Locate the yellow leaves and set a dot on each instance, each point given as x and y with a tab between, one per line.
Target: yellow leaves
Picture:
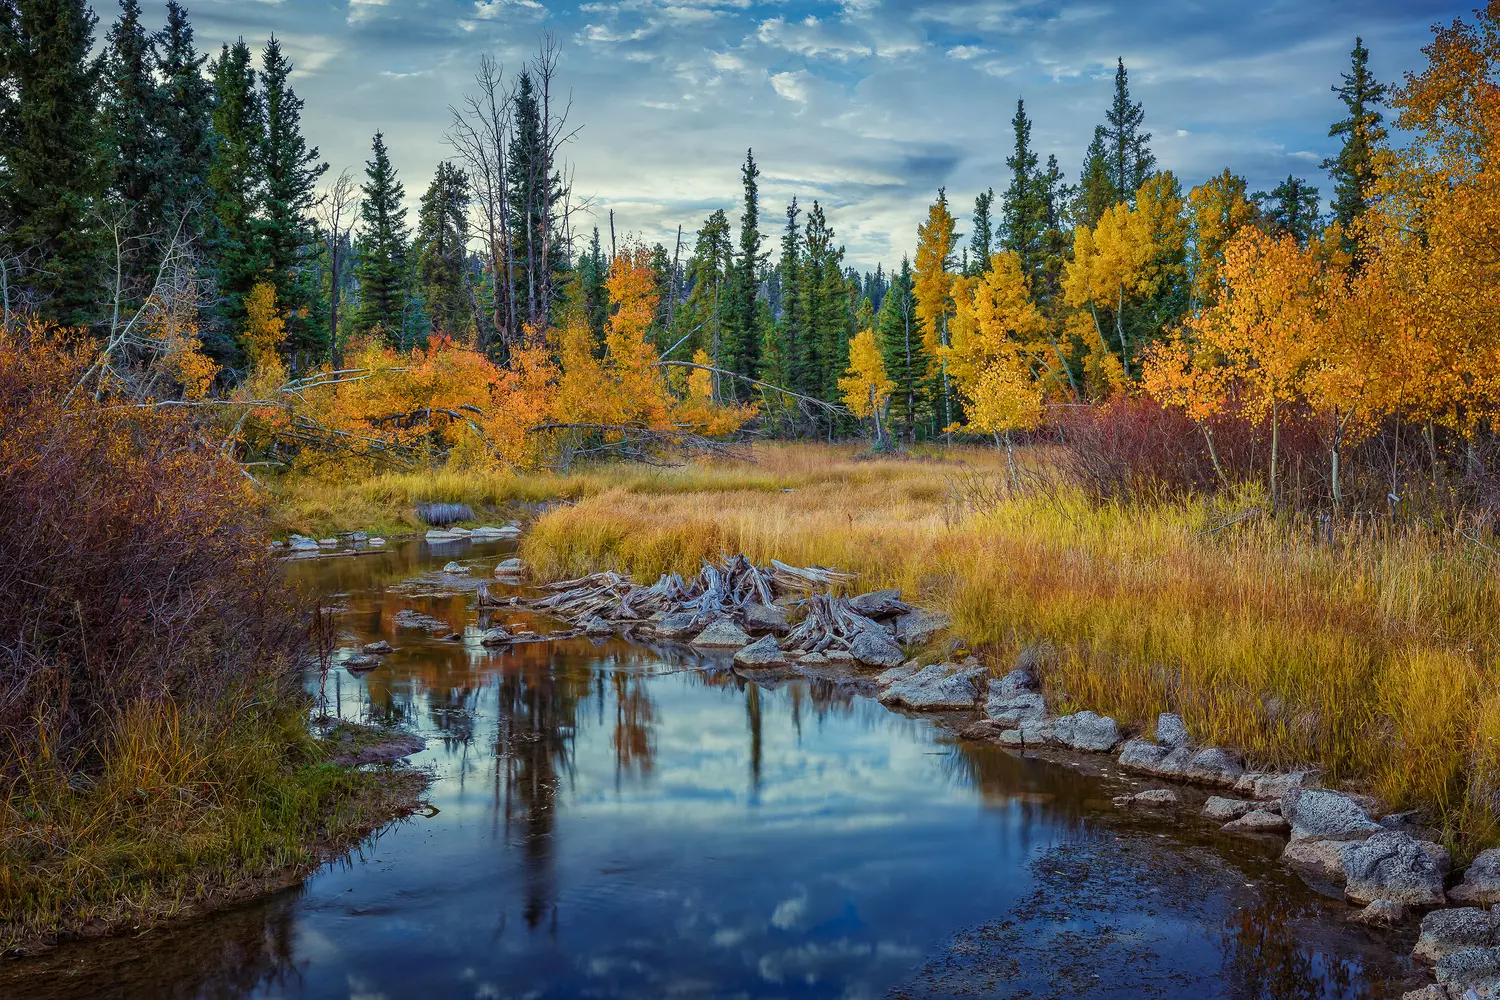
265	329
995	329
1004	397
700	382
932	281
1219	210
1132	251
866	386
1192	381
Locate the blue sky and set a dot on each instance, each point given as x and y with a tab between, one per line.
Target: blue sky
865	105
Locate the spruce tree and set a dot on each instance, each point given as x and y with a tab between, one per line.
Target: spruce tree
442	253
235	186
898	331
1095	193
1127	149
1025	217
701	318
982	240
827	308
592	269
382	248
291	170
1291	209
51	174
791	320
1353	170
137	183
184	105
741	342
534	193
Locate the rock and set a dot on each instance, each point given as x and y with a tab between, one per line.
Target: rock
763	652
879	604
380	648
1392	865
917	627
453	637
454	567
1170	731
765	618
1224	810
1142	755
301	543
1030	733
838	655
722	634
495	637
1320	814
873	650
1481	884
328	543
1011	738
1273	786
939	687
384	753
812	660
1447	931
510	567
1471	968
1212	766
1257	821
375	542
1012	710
1382	913
595	625
1323	859
1425	993
1087	731
277	545
442	535
1152	798
678	626
489	532
888	677
360	663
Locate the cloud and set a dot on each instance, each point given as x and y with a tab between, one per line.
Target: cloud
964	53
813	38
792	86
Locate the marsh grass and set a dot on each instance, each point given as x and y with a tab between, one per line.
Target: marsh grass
1371	658
182	816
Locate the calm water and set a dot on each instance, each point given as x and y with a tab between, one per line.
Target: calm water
622	821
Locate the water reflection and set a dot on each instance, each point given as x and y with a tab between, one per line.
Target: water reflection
618	820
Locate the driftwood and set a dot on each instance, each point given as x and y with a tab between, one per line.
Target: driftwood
829	623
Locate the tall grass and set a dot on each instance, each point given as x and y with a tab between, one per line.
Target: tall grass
1371	658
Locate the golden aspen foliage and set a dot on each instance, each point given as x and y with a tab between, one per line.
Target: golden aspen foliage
1219	210
865	385
998	339
932	283
265	329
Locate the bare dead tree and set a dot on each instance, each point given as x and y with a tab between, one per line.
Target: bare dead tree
479	133
337	213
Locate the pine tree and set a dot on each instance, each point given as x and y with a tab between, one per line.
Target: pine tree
236	186
137	183
790	331
184	104
51	177
382	248
592	272
1290	209
1053	196
827	308
1127	149
1095	193
1353	170
741	342
701	318
535	191
1025	208
442	253
899	333
982	240
291	171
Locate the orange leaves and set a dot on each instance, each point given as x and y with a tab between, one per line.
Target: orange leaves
265	329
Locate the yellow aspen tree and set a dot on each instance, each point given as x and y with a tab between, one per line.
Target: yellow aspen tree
866	386
932	287
1218	210
1194	381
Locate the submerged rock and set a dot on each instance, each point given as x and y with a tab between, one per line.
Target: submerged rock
1321	814
763	652
942	686
1382	913
874	650
496	637
1481	884
679	625
360	663
1257	821
1087	731
1447	931
510	567
1152	798
1170	731
1322	859
1225	810
381	648
1395	866
722	634
455	567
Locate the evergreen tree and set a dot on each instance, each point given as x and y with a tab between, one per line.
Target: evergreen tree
701	318
592	272
442	253
898	331
741	341
783	366
291	171
1095	193
534	193
1353	170
184	105
982	240
235	185
875	287
1056	240
382	248
137	183
1025	209
51	176
1290	209
828	310
1127	149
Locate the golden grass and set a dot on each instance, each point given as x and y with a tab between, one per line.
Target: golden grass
1371	659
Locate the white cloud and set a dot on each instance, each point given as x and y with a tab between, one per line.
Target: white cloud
964	53
792	86
813	38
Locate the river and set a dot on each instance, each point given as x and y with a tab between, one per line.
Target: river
617	820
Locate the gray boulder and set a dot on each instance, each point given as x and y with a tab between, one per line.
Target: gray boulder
455	567
379	648
360	663
495	637
763	652
879	604
1382	913
679	625
1322	859
874	650
301	543
1087	731
765	618
1447	931
1259	785
1143	755
1014	709
1481	884
812	659
1151	798
1170	731
1257	821
1321	814
1016	682
940	687
1212	766
886	678
1029	733
1225	810
1392	865
510	567
1471	968
917	627
722	634
596	626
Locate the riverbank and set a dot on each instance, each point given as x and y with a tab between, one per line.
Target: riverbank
1367	659
180	822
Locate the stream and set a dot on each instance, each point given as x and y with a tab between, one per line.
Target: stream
622	820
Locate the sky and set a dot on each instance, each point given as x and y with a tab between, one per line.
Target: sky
868	106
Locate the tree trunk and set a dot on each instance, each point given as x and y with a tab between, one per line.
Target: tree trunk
1213	453
1275	445
1338	429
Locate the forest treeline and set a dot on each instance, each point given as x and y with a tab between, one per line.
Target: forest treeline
169	202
